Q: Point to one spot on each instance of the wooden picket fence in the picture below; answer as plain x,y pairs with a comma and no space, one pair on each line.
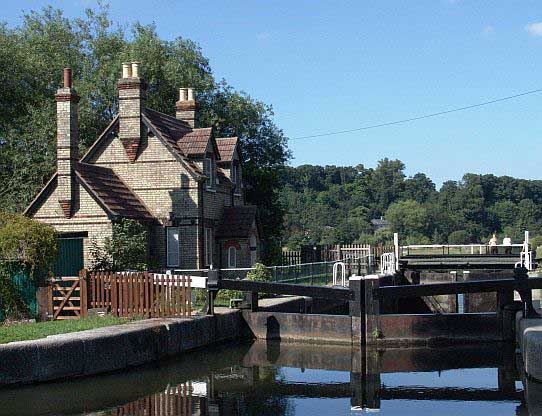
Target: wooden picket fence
175,400
143,294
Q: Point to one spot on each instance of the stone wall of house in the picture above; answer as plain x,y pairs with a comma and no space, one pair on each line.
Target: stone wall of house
88,217
243,252
164,186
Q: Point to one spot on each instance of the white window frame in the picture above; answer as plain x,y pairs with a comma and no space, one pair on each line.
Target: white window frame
232,265
209,168
170,248
234,173
208,246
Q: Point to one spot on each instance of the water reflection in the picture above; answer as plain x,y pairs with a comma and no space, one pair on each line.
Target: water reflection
284,379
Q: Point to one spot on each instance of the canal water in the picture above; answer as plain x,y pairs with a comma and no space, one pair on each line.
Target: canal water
261,378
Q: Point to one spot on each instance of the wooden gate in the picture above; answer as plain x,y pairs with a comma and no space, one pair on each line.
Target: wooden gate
68,297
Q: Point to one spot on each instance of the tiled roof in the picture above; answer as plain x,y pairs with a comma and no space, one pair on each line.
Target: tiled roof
194,143
237,221
226,148
170,127
112,192
223,175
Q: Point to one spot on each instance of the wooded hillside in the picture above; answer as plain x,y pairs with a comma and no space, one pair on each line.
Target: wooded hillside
333,204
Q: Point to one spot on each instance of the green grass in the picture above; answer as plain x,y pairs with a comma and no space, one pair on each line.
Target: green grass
35,330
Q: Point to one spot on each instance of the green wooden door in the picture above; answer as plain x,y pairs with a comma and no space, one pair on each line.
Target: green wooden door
70,257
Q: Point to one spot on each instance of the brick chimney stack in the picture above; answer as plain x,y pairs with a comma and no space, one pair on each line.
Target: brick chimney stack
67,147
185,108
132,97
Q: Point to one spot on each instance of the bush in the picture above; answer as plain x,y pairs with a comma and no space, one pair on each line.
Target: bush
125,250
28,249
459,237
260,274
30,243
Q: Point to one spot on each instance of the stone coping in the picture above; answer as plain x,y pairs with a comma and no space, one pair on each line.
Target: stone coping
113,348
529,341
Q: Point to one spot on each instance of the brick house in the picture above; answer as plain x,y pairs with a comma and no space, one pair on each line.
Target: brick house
182,182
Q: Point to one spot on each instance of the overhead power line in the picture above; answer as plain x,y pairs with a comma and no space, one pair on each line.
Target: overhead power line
407,120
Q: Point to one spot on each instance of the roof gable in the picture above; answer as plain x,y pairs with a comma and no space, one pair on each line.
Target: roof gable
227,147
237,221
111,193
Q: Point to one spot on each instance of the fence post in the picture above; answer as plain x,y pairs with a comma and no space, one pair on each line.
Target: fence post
212,290
364,309
312,273
83,302
275,273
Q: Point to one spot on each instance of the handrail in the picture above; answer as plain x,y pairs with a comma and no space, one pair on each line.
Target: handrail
476,286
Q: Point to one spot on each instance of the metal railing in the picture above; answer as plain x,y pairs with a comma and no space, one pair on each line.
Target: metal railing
387,263
457,249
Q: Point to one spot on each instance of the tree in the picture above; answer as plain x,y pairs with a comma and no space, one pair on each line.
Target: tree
125,250
31,60
408,218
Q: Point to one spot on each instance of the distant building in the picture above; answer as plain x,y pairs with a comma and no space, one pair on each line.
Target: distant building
380,224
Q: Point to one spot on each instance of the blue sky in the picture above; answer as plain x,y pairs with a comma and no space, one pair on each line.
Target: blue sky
336,65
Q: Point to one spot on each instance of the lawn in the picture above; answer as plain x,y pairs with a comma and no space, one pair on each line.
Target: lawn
34,330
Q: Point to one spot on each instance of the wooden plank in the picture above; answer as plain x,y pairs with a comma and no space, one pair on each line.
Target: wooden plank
183,295
135,293
141,284
159,298
152,296
66,308
124,278
477,286
114,293
83,301
189,296
146,302
168,295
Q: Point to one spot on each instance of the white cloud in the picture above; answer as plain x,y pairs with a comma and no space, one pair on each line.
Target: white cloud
534,29
489,30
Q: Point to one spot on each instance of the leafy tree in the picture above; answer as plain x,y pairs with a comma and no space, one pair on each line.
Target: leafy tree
125,250
459,237
31,60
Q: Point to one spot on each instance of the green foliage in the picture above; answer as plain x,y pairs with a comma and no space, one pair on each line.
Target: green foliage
12,305
260,274
330,205
125,250
29,243
459,237
32,56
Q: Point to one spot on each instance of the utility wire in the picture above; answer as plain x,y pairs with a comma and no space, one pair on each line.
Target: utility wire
407,120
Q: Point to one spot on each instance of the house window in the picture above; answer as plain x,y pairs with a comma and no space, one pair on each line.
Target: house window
172,237
208,234
232,257
210,171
